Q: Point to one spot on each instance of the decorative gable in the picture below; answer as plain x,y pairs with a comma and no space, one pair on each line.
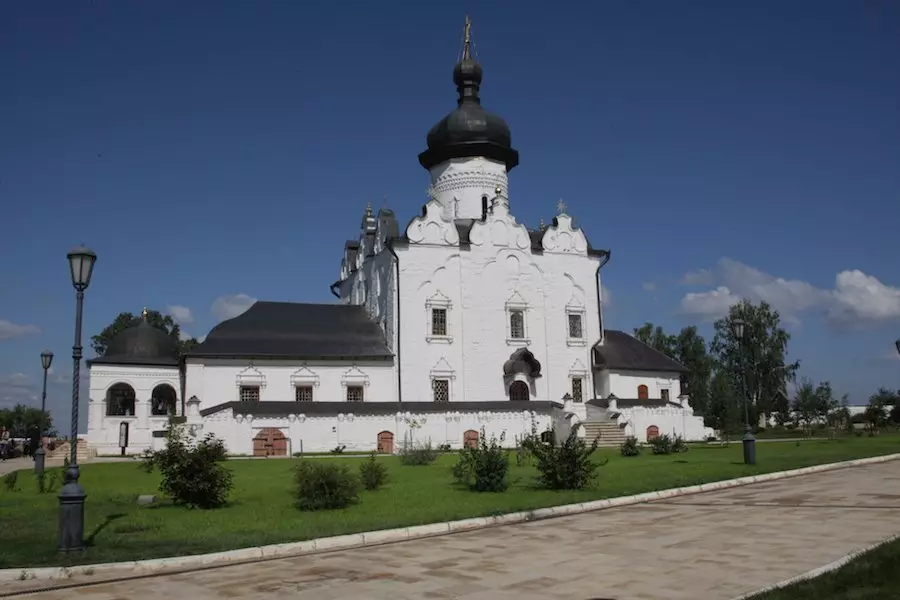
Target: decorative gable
442,370
500,228
432,227
563,238
516,301
304,376
250,377
354,376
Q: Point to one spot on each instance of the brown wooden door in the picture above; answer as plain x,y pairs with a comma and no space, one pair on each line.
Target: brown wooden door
652,432
270,442
385,442
470,439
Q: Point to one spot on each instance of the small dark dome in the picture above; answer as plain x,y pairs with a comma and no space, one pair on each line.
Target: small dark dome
469,130
142,344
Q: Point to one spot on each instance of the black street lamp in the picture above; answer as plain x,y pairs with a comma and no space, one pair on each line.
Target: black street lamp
46,361
897,343
749,440
71,496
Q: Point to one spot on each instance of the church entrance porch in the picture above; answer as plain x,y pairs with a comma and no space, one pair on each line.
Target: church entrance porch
270,442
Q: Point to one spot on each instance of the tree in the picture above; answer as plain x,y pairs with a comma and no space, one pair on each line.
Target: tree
690,349
761,367
24,421
781,408
656,338
806,404
885,397
724,408
875,415
126,320
826,403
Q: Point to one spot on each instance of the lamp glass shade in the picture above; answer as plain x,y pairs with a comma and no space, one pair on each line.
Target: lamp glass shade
46,359
81,265
738,326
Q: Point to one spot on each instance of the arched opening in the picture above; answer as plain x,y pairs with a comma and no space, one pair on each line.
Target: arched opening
652,432
547,437
163,401
643,392
518,391
120,400
270,442
470,439
385,442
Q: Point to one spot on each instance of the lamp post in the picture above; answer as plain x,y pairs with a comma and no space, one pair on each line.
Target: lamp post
46,361
71,496
897,344
749,440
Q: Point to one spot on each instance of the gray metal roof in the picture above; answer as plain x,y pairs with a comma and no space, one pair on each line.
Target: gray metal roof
295,330
622,352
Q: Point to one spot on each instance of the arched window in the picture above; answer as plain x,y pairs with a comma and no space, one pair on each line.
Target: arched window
518,391
163,401
643,392
120,401
652,432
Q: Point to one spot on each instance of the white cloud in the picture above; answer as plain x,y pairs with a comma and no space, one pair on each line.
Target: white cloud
16,388
10,330
649,286
182,314
231,305
697,277
856,300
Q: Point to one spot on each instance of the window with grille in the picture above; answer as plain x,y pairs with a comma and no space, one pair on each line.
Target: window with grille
354,393
249,393
575,329
441,389
438,321
517,324
303,393
577,383
664,394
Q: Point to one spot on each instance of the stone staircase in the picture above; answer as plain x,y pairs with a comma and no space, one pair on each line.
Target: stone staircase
61,451
609,432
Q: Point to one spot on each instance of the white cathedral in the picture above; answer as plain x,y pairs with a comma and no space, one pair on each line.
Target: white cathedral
464,321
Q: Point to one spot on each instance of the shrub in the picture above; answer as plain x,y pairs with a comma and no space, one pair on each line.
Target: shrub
372,473
662,444
567,466
323,485
630,447
679,445
417,454
11,481
338,449
192,474
483,468
47,481
444,448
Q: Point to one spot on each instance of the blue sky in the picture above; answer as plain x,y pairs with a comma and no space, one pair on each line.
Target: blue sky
208,150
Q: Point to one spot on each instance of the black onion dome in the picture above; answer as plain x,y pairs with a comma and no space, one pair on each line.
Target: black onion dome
469,130
142,344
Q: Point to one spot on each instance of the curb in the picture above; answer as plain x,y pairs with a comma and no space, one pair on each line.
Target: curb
142,568
832,566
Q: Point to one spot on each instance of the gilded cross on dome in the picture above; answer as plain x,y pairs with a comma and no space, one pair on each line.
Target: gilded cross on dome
561,206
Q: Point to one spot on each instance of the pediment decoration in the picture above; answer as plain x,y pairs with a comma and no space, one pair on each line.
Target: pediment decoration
304,376
250,377
516,301
522,361
562,237
432,227
354,376
578,368
500,228
442,370
575,303
438,300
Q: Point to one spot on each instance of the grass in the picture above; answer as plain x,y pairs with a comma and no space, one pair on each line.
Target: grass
870,576
261,508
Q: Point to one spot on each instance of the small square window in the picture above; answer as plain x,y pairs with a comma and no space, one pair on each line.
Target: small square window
575,329
438,321
354,393
664,394
249,393
516,324
303,393
577,393
441,390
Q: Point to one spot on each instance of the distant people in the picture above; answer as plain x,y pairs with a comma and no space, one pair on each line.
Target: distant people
4,443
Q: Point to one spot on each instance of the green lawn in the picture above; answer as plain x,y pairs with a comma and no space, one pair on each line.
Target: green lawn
261,509
871,576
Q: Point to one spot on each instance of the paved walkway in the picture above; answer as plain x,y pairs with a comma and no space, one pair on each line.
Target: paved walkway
713,546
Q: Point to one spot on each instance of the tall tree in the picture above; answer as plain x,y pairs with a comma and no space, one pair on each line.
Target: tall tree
126,320
724,408
655,337
690,350
805,404
23,421
758,362
885,397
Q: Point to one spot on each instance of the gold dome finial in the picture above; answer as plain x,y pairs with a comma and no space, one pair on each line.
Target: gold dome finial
542,226
369,209
467,40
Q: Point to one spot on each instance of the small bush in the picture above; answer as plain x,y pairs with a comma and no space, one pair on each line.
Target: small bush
147,461
325,485
485,467
47,481
567,466
11,481
444,448
372,473
679,445
191,473
630,447
338,449
413,454
661,444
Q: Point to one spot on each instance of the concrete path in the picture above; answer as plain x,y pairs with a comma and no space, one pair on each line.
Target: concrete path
714,546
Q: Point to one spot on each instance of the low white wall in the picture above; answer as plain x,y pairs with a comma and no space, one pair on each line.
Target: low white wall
670,420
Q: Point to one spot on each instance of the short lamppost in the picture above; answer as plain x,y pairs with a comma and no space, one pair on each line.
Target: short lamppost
46,361
749,440
71,496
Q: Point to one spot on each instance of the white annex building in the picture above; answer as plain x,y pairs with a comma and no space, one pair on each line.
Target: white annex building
460,321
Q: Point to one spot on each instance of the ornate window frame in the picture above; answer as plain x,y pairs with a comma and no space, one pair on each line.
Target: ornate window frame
579,371
442,370
354,377
441,302
305,377
249,377
517,303
576,308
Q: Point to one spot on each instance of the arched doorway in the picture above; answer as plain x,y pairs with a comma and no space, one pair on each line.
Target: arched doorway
518,392
652,432
120,400
163,401
643,392
470,439
270,442
385,442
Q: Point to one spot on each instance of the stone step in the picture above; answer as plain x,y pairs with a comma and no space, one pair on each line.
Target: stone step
610,434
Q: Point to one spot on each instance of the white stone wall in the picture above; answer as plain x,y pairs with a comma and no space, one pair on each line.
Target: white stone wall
459,185
359,433
216,381
624,384
103,431
669,420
